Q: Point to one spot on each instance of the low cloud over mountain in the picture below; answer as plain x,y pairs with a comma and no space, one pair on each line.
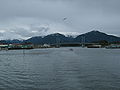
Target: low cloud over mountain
27,30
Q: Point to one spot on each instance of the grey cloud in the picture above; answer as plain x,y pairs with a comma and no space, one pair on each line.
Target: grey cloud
30,31
82,16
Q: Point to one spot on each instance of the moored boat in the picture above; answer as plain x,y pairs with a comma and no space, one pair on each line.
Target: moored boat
113,46
94,46
19,46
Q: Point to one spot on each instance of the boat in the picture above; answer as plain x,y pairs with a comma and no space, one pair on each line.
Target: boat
113,46
94,46
19,46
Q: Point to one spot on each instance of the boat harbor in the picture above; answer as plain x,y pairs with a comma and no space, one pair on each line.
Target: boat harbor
15,46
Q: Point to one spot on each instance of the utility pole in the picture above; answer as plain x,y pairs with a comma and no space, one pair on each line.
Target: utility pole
83,41
57,41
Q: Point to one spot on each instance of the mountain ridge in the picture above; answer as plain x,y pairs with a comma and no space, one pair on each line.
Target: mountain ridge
89,37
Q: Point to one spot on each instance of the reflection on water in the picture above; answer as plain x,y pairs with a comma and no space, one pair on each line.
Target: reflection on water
60,69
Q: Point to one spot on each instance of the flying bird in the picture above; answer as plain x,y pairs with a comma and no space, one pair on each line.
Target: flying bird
64,19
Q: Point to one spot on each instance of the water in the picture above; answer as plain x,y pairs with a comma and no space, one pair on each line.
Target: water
60,69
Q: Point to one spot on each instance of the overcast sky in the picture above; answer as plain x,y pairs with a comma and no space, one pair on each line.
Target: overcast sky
26,18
